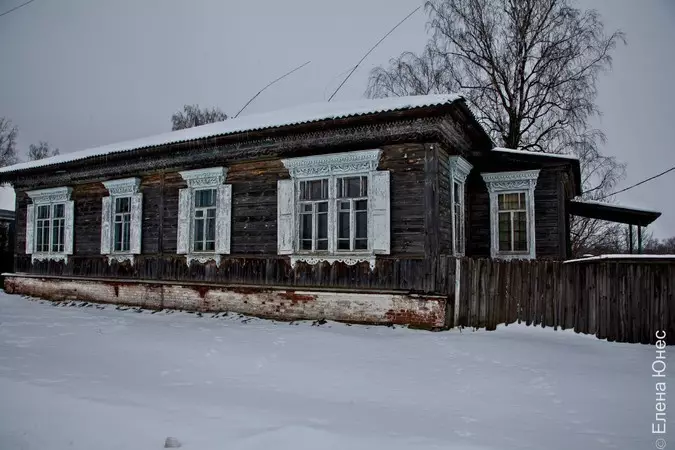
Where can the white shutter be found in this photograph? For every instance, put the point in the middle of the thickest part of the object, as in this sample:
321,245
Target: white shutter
69,231
223,218
106,215
30,227
285,217
183,237
380,224
136,224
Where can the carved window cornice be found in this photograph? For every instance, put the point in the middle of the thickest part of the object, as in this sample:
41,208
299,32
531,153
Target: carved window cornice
333,164
505,181
460,168
52,195
126,186
202,178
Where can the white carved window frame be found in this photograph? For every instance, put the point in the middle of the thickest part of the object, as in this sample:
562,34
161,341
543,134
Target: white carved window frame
331,167
50,197
198,179
127,187
459,171
511,183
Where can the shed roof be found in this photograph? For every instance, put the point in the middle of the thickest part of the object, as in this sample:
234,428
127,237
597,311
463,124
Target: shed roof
303,114
612,212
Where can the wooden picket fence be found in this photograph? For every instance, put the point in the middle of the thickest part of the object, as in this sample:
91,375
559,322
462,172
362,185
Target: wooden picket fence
623,300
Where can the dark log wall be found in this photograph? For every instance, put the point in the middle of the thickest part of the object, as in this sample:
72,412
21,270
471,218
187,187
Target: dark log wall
444,202
478,213
550,216
254,211
87,231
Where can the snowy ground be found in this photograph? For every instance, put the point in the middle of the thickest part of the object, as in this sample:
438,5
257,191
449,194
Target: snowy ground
87,378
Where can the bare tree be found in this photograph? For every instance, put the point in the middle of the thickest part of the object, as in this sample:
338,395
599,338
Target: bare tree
8,134
41,151
528,69
193,116
663,247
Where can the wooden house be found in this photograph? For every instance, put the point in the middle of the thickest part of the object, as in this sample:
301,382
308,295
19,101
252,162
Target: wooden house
346,211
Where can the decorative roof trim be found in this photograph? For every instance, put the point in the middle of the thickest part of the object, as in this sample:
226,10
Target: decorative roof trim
125,186
202,178
333,164
300,115
51,195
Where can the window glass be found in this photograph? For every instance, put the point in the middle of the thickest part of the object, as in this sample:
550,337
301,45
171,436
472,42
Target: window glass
204,220
512,222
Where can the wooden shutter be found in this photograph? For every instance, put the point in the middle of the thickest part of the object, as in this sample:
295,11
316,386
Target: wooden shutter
183,244
285,217
223,218
379,231
30,228
70,225
106,216
136,224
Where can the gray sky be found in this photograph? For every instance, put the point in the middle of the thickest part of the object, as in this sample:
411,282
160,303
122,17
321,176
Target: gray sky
83,73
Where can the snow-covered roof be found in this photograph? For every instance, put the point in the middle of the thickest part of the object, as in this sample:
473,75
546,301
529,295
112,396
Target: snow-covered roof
7,197
621,256
616,205
292,116
527,152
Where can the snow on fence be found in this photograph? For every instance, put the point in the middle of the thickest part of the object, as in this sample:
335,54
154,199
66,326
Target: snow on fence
619,300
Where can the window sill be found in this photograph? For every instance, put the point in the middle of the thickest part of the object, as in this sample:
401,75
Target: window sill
49,256
349,259
202,258
120,258
518,255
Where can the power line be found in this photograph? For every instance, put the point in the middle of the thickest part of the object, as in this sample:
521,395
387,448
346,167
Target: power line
641,182
16,7
370,51
268,85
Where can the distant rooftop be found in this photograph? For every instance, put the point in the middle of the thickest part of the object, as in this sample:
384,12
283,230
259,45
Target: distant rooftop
309,113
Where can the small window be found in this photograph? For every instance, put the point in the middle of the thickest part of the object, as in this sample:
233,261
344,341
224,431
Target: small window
313,214
58,227
352,194
204,237
122,224
512,222
42,228
458,214
50,228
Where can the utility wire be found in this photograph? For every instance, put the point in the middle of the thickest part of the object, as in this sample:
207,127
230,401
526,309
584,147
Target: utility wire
16,7
638,184
268,85
370,51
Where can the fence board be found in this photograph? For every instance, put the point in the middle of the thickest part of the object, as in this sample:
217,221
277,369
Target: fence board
615,300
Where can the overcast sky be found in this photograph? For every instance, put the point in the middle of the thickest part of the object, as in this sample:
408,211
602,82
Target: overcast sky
83,73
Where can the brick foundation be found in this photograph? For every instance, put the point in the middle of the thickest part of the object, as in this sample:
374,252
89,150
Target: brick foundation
377,308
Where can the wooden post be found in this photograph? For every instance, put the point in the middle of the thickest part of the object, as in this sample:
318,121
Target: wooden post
630,238
639,227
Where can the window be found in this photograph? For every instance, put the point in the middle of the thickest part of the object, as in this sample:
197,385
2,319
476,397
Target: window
334,208
512,213
204,235
122,220
49,224
204,215
512,222
459,171
50,228
313,215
